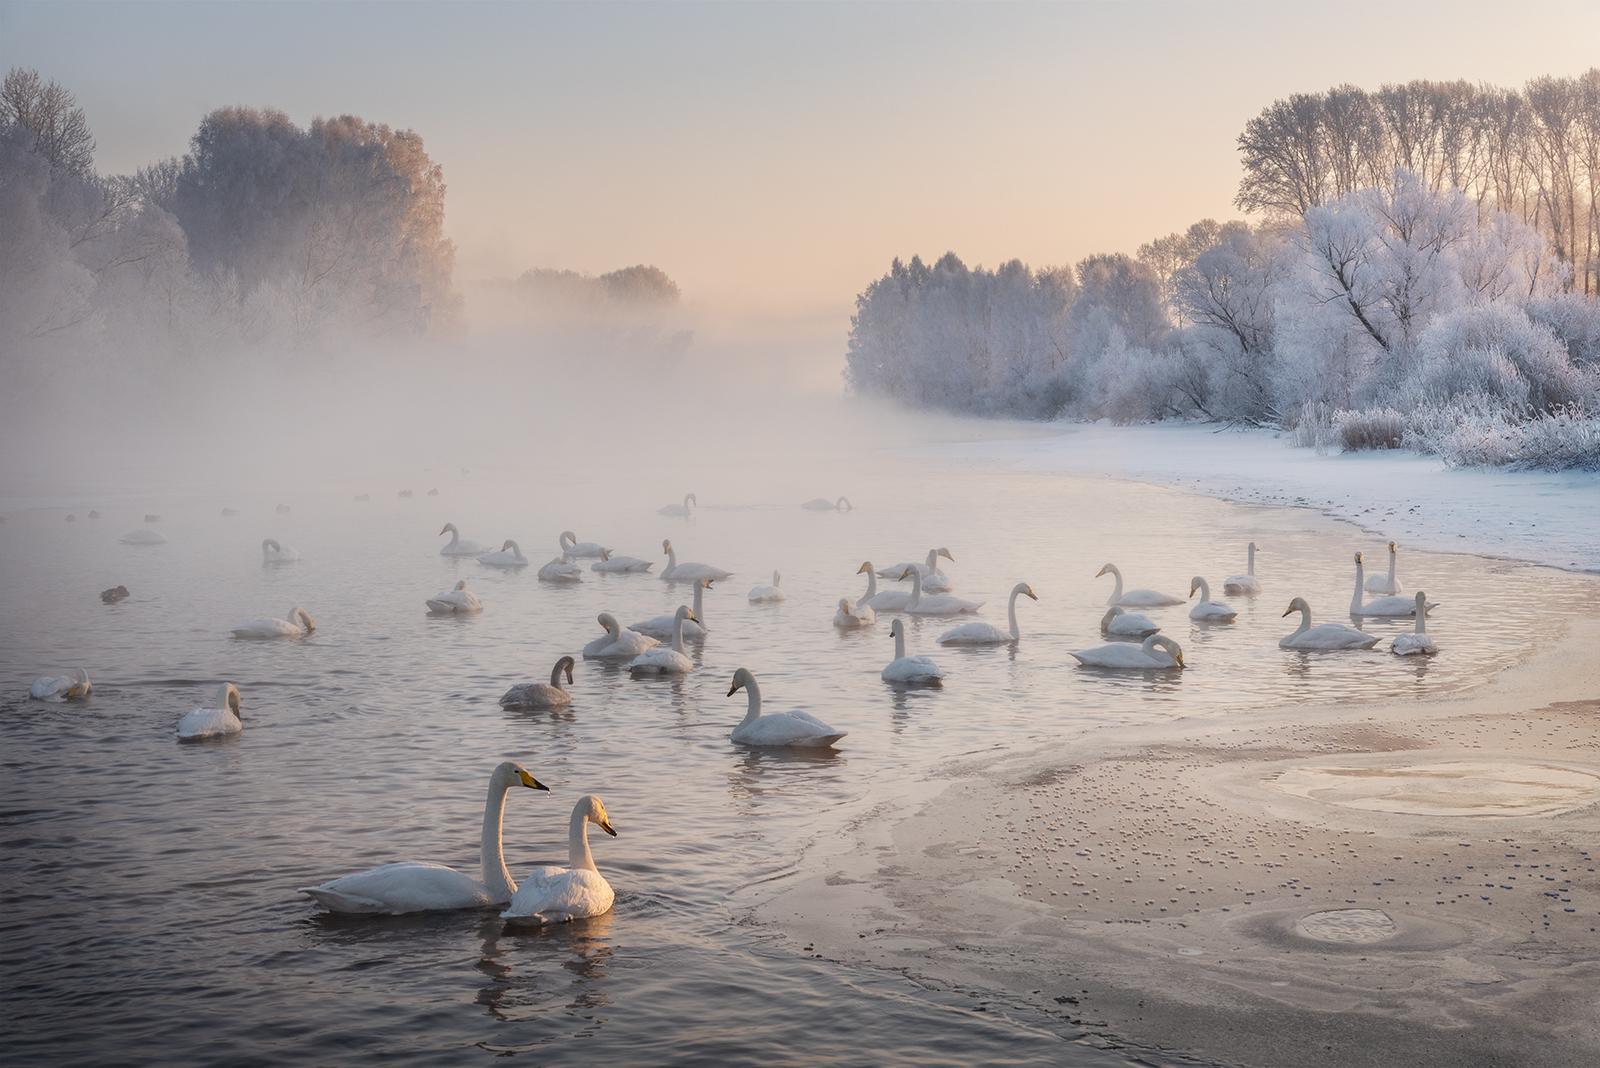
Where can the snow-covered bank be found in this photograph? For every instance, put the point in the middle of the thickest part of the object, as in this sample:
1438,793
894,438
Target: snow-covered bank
1546,518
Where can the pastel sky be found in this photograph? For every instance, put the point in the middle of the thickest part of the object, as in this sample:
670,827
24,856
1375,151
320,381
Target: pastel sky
780,154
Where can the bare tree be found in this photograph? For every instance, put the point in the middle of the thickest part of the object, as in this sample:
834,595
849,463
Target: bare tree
52,115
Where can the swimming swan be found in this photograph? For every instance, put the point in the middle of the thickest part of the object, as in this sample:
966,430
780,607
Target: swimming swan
274,553
58,688
143,537
1386,584
940,604
459,601
886,601
822,504
508,555
979,633
456,546
680,511
850,616
1325,637
416,886
217,720
666,660
297,624
1156,653
676,572
561,570
767,594
906,670
1206,610
1417,642
1247,583
617,643
557,895
933,580
609,564
1120,623
1383,607
661,627
575,549
796,728
542,694
1135,598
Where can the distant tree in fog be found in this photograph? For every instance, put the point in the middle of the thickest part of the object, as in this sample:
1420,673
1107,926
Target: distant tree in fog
51,115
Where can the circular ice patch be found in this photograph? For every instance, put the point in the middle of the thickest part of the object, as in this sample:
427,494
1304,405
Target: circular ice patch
1448,788
1351,926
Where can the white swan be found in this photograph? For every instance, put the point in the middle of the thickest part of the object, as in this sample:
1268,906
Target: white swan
885,601
1205,609
1386,584
508,555
1416,642
416,886
617,643
676,572
580,550
940,604
906,670
822,504
933,580
216,720
611,564
58,688
850,616
1325,637
272,552
1120,623
979,633
1156,653
1247,583
680,511
457,546
143,537
297,624
542,694
561,570
1382,607
664,659
795,728
661,627
557,895
767,594
1135,598
459,601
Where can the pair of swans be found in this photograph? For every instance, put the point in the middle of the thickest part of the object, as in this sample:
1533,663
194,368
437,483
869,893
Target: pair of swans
906,670
933,580
917,602
143,537
938,604
457,546
688,572
661,627
1324,637
796,728
58,688
1206,610
666,659
1388,584
1120,623
768,594
508,555
459,601
1156,653
618,642
822,504
853,615
1390,607
274,552
217,720
574,549
980,633
1135,598
680,511
613,564
1246,584
542,694
297,624
1417,642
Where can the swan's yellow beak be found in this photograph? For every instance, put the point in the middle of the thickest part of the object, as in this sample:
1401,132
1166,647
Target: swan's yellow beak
1286,611
605,825
1102,571
863,569
906,573
1031,594
1180,660
531,783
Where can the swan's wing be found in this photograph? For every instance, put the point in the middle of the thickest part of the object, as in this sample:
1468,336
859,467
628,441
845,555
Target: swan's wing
410,886
565,895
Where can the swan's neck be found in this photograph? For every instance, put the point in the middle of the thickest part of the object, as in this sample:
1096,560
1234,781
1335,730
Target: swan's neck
1392,556
899,643
916,587
1205,591
495,876
1422,616
1305,620
1116,593
933,562
1016,632
752,710
578,855
1355,598
555,675
872,585
566,540
672,559
1250,560
686,504
699,598
455,538
677,633
775,581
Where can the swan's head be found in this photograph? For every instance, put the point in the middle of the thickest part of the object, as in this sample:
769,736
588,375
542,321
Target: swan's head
1297,605
666,545
609,622
461,585
448,528
1026,591
907,573
845,607
301,617
702,583
605,554
896,628
946,554
1196,583
228,697
691,499
741,679
270,544
1358,559
1422,604
1161,641
512,773
568,538
1253,547
81,688
685,612
1108,569
594,810
865,568
1391,548
777,579
563,666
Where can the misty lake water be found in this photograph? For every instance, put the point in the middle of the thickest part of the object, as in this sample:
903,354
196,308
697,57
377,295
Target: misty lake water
150,905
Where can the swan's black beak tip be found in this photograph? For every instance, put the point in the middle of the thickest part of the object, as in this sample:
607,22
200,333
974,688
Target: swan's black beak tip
605,825
732,690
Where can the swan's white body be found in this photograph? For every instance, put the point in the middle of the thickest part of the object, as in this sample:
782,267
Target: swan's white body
297,624
216,720
274,552
1156,653
1206,610
1135,598
851,616
1120,623
574,549
418,886
885,601
1416,643
617,643
1386,584
680,511
1324,637
822,504
541,694
940,604
58,688
933,580
767,594
612,564
143,537
793,729
558,895
979,633
906,670
1382,607
457,546
561,570
661,627
458,601
663,659
508,555
1246,584
676,572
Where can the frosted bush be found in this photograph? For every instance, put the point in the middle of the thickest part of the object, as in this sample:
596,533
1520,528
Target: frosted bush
1373,428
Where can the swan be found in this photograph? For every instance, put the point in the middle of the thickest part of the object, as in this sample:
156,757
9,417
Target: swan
617,643
1135,598
1119,623
1383,607
363,498
780,729
661,627
143,537
221,718
561,570
415,886
850,616
574,549
1418,641
229,513
404,494
433,493
620,564
980,633
542,694
933,580
1247,583
1386,584
151,517
822,504
680,511
666,660
1323,636
1156,653
557,895
906,670
114,594
459,601
282,509
940,604
508,555
456,546
767,594
676,572
274,553
1206,610
58,688
887,601
297,624
94,513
